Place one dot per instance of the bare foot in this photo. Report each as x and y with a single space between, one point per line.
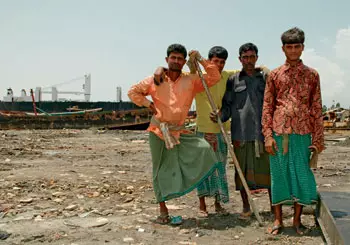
300 229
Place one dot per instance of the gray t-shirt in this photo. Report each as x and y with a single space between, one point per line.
243 102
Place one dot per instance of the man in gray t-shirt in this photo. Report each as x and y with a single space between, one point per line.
242 102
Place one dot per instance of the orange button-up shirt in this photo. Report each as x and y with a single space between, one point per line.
172 99
292 103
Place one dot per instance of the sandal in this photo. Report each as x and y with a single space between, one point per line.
245 215
163 219
176 220
274 228
300 229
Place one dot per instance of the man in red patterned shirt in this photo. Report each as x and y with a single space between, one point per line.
293 128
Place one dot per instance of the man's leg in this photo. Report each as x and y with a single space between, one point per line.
278 222
246 213
202 205
246 206
298 226
163 218
217 204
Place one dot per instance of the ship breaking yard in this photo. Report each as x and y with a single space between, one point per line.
94 186
80 173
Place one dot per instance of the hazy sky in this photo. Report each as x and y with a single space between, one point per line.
47 42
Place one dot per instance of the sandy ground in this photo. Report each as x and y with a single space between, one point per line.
80 187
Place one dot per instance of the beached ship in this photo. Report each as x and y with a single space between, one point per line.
31 112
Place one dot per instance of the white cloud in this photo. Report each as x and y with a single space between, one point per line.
331 74
342 44
335 82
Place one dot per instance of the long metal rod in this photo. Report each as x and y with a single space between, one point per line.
228 142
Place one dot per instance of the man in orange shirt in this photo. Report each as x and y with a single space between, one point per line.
181 160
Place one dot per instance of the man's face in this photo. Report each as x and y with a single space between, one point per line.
175 61
293 51
219 62
248 59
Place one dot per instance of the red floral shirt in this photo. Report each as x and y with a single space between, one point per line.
292 103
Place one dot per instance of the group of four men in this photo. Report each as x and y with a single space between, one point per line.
275 117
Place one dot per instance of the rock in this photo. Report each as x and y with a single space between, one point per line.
87 224
99 222
174 207
201 233
83 215
4 235
107 212
236 237
95 194
58 200
326 185
129 199
24 217
141 230
16 188
28 200
130 187
107 172
128 239
38 218
7 160
187 243
184 231
71 207
128 227
138 141
58 194
136 211
10 195
122 172
141 221
80 196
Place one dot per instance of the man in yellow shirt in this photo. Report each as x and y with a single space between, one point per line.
216 185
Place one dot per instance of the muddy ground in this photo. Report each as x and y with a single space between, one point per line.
78 187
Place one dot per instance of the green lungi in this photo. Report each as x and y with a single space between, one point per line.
216 184
291 176
256 170
180 170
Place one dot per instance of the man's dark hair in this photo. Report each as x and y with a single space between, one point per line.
294 35
248 47
218 51
176 48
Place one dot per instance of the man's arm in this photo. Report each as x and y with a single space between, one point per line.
268 108
211 77
139 91
316 116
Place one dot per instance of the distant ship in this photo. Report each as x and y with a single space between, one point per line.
29 111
